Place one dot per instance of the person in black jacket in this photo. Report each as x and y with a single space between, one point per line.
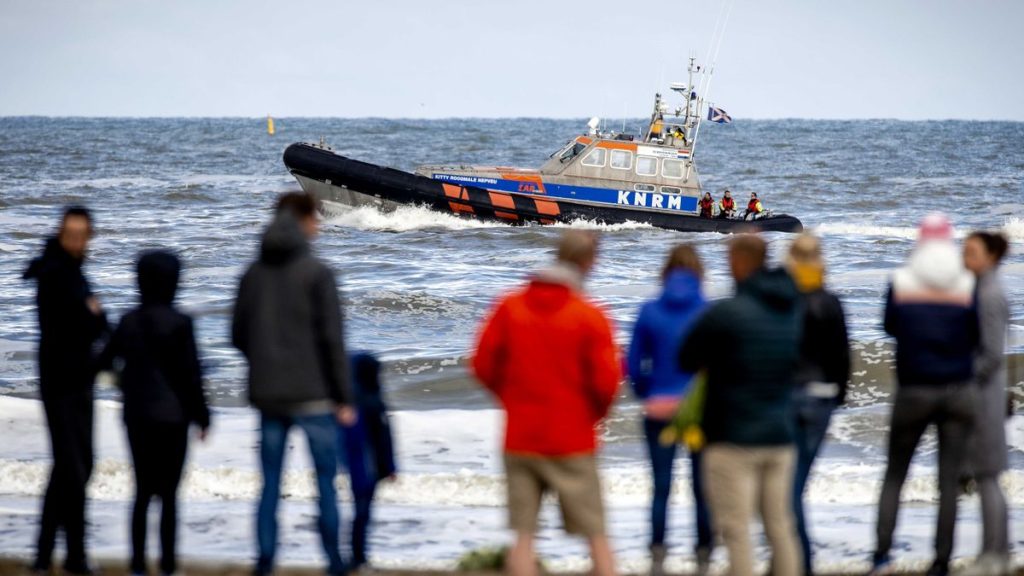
71 321
368 451
162 385
747 421
288 324
822 372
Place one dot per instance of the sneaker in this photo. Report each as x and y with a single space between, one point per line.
658 555
881 566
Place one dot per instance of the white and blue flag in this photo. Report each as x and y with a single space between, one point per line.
718 115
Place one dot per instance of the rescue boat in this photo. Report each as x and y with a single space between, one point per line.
598 176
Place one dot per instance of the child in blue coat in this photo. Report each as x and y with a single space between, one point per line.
366 448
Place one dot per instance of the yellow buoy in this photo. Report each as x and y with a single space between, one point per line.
270 125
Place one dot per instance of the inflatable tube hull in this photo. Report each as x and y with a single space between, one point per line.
337 179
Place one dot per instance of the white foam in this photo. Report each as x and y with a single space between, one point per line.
583 224
1014 229
849 229
403 219
445 457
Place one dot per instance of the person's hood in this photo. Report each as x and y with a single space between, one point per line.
809 277
158 273
551 287
681 290
774 287
53 255
937 264
283 241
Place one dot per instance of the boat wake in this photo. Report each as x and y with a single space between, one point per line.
402 219
412 218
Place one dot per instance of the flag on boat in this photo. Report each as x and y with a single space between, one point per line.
718 115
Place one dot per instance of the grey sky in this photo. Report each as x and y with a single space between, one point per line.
798 58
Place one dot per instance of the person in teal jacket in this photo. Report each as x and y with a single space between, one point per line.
660 384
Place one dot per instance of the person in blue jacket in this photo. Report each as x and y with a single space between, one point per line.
366 449
658 381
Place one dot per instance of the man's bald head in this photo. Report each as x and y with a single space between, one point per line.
579 248
747 254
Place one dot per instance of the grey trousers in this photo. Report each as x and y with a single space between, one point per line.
994 516
951 408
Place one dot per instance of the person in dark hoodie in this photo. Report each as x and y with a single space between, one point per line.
71 322
367 449
661 385
288 324
748 421
822 373
161 380
931 312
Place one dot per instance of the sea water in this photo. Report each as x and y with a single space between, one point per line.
416 284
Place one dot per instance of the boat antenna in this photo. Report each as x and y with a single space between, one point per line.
703 98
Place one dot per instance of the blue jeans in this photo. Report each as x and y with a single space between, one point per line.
662 459
363 500
322 436
812 418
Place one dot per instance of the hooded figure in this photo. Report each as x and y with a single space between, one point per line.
930 311
161 381
661 385
288 324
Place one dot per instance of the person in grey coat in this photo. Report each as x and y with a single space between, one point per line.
983 251
288 324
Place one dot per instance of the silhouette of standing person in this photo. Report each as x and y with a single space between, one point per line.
70 322
288 324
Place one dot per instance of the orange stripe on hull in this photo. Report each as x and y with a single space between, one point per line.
506 215
500 200
547 208
459 207
452 191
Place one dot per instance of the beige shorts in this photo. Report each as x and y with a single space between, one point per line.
573 479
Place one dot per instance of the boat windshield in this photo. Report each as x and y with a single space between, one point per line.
571 150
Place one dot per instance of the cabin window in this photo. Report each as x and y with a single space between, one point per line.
646 165
672 168
643 187
622 159
595 158
571 152
670 190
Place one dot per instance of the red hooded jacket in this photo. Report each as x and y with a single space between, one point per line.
548 356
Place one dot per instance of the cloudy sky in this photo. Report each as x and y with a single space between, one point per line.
908 59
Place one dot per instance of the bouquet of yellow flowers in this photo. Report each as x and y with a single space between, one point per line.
685 425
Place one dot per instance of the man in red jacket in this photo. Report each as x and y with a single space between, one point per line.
547 354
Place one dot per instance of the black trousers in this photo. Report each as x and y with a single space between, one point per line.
158 454
951 408
69 419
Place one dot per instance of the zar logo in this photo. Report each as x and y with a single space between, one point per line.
650 200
